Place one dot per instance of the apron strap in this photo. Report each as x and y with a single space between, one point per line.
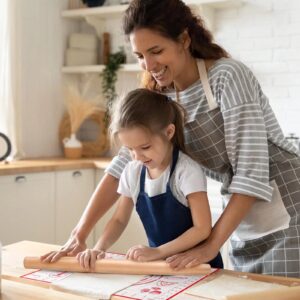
205 83
142 179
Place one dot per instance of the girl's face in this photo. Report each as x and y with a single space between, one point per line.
153 150
164 58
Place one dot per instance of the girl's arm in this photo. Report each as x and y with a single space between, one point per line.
112 231
235 211
116 225
201 216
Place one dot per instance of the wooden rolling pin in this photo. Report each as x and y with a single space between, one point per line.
109 266
285 293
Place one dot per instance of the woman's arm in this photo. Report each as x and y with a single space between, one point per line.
236 210
201 229
102 199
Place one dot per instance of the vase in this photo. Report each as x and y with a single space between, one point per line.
72 147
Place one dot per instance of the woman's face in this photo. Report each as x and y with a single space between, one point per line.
164 58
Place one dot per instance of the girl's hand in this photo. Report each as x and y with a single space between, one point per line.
73 246
143 253
193 257
87 259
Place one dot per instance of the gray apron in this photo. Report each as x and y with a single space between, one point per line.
268 240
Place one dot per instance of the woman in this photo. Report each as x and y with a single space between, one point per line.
231 130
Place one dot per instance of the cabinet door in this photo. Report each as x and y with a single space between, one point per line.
134 233
27 208
73 191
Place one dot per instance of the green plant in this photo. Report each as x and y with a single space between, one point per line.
109 78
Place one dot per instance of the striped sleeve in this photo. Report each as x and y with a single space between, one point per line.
118 163
245 134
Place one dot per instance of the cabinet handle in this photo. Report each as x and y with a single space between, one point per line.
77 174
20 179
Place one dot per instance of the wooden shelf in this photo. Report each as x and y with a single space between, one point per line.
96 17
98 69
103 12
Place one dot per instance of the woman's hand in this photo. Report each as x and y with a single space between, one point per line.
73 246
87 259
143 253
193 257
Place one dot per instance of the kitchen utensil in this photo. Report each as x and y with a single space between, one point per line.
110 266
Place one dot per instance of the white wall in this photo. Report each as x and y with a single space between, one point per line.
265 35
41 40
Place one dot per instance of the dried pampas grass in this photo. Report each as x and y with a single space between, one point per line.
79 109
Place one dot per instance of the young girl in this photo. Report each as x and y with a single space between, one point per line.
167 187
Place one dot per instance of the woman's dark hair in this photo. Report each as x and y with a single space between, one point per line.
149 110
171 18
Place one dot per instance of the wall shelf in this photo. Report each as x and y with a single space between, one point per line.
97 16
98 69
104 12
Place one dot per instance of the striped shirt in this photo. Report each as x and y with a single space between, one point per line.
232 141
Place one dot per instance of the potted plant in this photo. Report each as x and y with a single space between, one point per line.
109 78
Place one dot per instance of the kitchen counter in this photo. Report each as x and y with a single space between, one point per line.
12 290
12 269
51 164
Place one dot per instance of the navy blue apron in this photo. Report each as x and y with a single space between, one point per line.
163 216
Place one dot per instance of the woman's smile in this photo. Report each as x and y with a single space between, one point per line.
158 75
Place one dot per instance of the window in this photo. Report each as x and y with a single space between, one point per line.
7 59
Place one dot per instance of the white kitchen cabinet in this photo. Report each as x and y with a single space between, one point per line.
73 191
27 208
134 233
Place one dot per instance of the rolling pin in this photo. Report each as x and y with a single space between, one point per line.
109 266
285 293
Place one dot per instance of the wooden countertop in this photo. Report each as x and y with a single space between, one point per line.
12 269
51 164
12 290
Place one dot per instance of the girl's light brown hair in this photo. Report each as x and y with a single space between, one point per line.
149 110
170 18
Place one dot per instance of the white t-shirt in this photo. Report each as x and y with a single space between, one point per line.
188 177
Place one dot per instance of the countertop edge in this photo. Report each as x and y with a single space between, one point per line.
51 164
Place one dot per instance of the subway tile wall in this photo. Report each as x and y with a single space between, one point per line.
265 35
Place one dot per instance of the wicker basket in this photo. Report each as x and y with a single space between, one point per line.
90 148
